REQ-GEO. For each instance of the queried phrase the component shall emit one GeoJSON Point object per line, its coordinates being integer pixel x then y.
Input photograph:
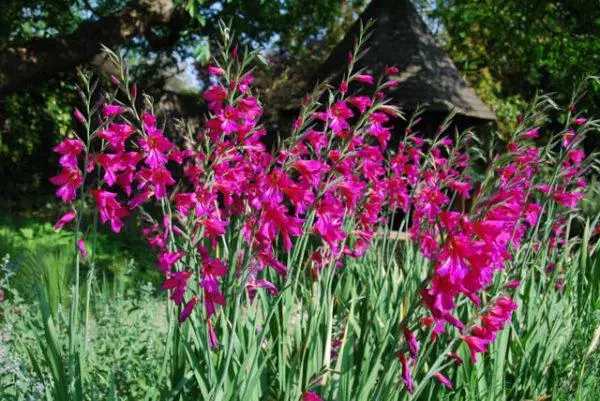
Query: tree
{"type": "Point", "coordinates": [42, 43]}
{"type": "Point", "coordinates": [510, 49]}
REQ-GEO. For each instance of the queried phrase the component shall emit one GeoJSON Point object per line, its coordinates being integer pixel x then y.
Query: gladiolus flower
{"type": "Point", "coordinates": [68, 181]}
{"type": "Point", "coordinates": [408, 382]}
{"type": "Point", "coordinates": [112, 110]}
{"type": "Point", "coordinates": [444, 380]}
{"type": "Point", "coordinates": [214, 70]}
{"type": "Point", "coordinates": [362, 103]}
{"type": "Point", "coordinates": [368, 79]}
{"type": "Point", "coordinates": [65, 219]}
{"type": "Point", "coordinates": [69, 149]}
{"type": "Point", "coordinates": [531, 134]}
{"type": "Point", "coordinates": [110, 209]}
{"type": "Point", "coordinates": [82, 250]}
{"type": "Point", "coordinates": [311, 396]}
{"type": "Point", "coordinates": [156, 146]}
{"type": "Point", "coordinates": [78, 115]}
{"type": "Point", "coordinates": [187, 310]}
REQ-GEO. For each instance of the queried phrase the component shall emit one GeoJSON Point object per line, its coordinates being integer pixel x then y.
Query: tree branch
{"type": "Point", "coordinates": [43, 58]}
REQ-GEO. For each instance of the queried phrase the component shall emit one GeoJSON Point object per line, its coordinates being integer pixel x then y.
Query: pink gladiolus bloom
{"type": "Point", "coordinates": [337, 116]}
{"type": "Point", "coordinates": [116, 135]}
{"type": "Point", "coordinates": [311, 396]}
{"type": "Point", "coordinates": [343, 87]}
{"type": "Point", "coordinates": [532, 133]}
{"type": "Point", "coordinates": [178, 282]}
{"type": "Point", "coordinates": [365, 78]}
{"type": "Point", "coordinates": [111, 163]}
{"type": "Point", "coordinates": [267, 285]}
{"type": "Point", "coordinates": [444, 380]}
{"type": "Point", "coordinates": [212, 337]}
{"type": "Point", "coordinates": [408, 382]}
{"type": "Point", "coordinates": [362, 103]}
{"type": "Point", "coordinates": [212, 295]}
{"type": "Point", "coordinates": [566, 199]}
{"type": "Point", "coordinates": [513, 284]}
{"type": "Point", "coordinates": [378, 130]}
{"type": "Point", "coordinates": [82, 250]}
{"type": "Point", "coordinates": [160, 177]}
{"type": "Point", "coordinates": [111, 110]}
{"type": "Point", "coordinates": [245, 83]}
{"type": "Point", "coordinates": [228, 118]}
{"type": "Point", "coordinates": [391, 70]}
{"type": "Point", "coordinates": [77, 114]}
{"type": "Point", "coordinates": [156, 146]}
{"type": "Point", "coordinates": [579, 121]}
{"type": "Point", "coordinates": [215, 97]}
{"type": "Point", "coordinates": [214, 226]}
{"type": "Point", "coordinates": [110, 209]}
{"type": "Point", "coordinates": [276, 217]}
{"type": "Point", "coordinates": [69, 149]}
{"type": "Point", "coordinates": [187, 310]}
{"type": "Point", "coordinates": [568, 138]}
{"type": "Point", "coordinates": [214, 267]}
{"type": "Point", "coordinates": [476, 345]}
{"type": "Point", "coordinates": [317, 139]}
{"type": "Point", "coordinates": [456, 358]}
{"type": "Point", "coordinates": [65, 219]}
{"type": "Point", "coordinates": [214, 70]}
{"type": "Point", "coordinates": [311, 170]}
{"type": "Point", "coordinates": [412, 343]}
{"type": "Point", "coordinates": [68, 181]}
{"type": "Point", "coordinates": [166, 260]}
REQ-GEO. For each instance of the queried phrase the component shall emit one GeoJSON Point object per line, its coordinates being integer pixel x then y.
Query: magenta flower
{"type": "Point", "coordinates": [337, 116]}
{"type": "Point", "coordinates": [214, 70]}
{"type": "Point", "coordinates": [215, 96]}
{"type": "Point", "coordinates": [365, 78]}
{"type": "Point", "coordinates": [311, 170]}
{"type": "Point", "coordinates": [212, 337]}
{"type": "Point", "coordinates": [531, 134]}
{"type": "Point", "coordinates": [412, 343]}
{"type": "Point", "coordinates": [166, 260]}
{"type": "Point", "coordinates": [69, 149]}
{"type": "Point", "coordinates": [228, 118]}
{"type": "Point", "coordinates": [178, 282]}
{"type": "Point", "coordinates": [110, 209]}
{"type": "Point", "coordinates": [567, 199]}
{"type": "Point", "coordinates": [68, 181]}
{"type": "Point", "coordinates": [444, 380]}
{"type": "Point", "coordinates": [78, 115]}
{"type": "Point", "coordinates": [116, 135]}
{"type": "Point", "coordinates": [408, 382]}
{"type": "Point", "coordinates": [362, 103]}
{"type": "Point", "coordinates": [82, 250]}
{"type": "Point", "coordinates": [156, 145]}
{"type": "Point", "coordinates": [187, 310]}
{"type": "Point", "coordinates": [65, 219]}
{"type": "Point", "coordinates": [160, 178]}
{"type": "Point", "coordinates": [112, 110]}
{"type": "Point", "coordinates": [311, 396]}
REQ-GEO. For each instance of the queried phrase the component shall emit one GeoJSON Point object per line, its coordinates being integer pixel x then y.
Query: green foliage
{"type": "Point", "coordinates": [38, 251]}
{"type": "Point", "coordinates": [508, 50]}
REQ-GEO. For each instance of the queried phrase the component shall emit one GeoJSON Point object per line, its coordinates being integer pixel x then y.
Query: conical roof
{"type": "Point", "coordinates": [427, 75]}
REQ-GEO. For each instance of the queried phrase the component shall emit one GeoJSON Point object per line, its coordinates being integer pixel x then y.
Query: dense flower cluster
{"type": "Point", "coordinates": [336, 178]}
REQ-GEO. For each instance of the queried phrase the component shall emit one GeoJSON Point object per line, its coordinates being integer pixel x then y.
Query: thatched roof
{"type": "Point", "coordinates": [427, 75]}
